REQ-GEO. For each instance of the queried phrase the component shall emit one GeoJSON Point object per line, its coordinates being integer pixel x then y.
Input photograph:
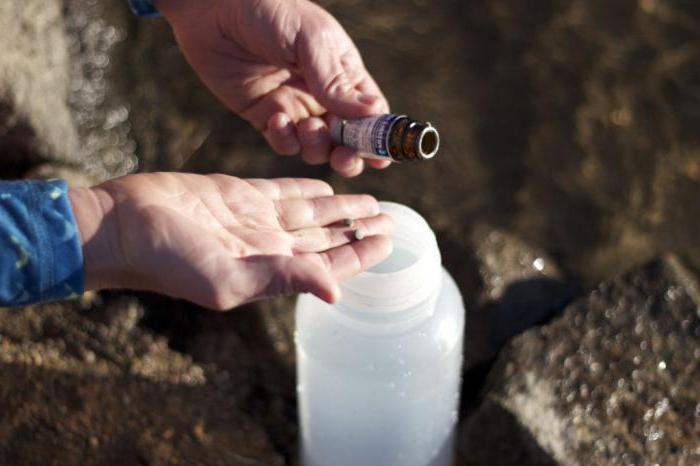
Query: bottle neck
{"type": "Point", "coordinates": [405, 286]}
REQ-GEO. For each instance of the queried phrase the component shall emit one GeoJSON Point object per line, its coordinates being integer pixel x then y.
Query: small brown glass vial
{"type": "Point", "coordinates": [387, 137]}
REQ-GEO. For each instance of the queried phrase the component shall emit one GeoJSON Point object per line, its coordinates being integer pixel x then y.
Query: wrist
{"type": "Point", "coordinates": [103, 264]}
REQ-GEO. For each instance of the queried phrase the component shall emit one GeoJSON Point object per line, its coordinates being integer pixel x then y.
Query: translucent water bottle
{"type": "Point", "coordinates": [379, 373]}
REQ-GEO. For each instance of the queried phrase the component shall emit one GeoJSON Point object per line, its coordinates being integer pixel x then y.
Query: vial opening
{"type": "Point", "coordinates": [429, 143]}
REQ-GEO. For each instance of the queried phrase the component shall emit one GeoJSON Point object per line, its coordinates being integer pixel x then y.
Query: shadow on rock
{"type": "Point", "coordinates": [501, 441]}
{"type": "Point", "coordinates": [522, 286]}
{"type": "Point", "coordinates": [526, 303]}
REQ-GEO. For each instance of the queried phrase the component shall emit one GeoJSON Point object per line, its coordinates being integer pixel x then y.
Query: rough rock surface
{"type": "Point", "coordinates": [83, 384]}
{"type": "Point", "coordinates": [614, 380]}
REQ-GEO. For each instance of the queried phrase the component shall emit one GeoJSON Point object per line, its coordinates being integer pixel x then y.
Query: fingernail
{"type": "Point", "coordinates": [359, 234]}
{"type": "Point", "coordinates": [367, 99]}
{"type": "Point", "coordinates": [348, 222]}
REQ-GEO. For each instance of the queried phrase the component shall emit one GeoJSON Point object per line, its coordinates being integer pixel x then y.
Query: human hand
{"type": "Point", "coordinates": [285, 66]}
{"type": "Point", "coordinates": [221, 241]}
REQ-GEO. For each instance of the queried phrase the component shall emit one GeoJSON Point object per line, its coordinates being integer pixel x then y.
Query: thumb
{"type": "Point", "coordinates": [333, 69]}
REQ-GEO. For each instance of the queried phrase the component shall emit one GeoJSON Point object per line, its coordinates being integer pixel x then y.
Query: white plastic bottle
{"type": "Point", "coordinates": [379, 373]}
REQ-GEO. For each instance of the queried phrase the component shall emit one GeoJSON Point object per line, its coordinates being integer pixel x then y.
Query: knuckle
{"type": "Point", "coordinates": [314, 207]}
{"type": "Point", "coordinates": [338, 84]}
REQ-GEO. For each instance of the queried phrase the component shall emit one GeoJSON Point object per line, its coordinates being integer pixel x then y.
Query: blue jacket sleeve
{"type": "Point", "coordinates": [144, 7]}
{"type": "Point", "coordinates": [41, 257]}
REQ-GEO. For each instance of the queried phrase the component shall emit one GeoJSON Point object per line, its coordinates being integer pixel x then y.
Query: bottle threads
{"type": "Point", "coordinates": [387, 137]}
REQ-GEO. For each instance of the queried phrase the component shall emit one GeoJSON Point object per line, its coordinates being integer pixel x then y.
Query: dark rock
{"type": "Point", "coordinates": [614, 380]}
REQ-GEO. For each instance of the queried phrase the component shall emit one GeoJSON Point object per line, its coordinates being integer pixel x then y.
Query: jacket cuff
{"type": "Point", "coordinates": [43, 256]}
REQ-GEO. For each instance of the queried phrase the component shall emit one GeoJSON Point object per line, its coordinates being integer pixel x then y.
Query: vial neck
{"type": "Point", "coordinates": [386, 292]}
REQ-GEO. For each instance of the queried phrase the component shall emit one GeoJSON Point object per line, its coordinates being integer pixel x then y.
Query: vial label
{"type": "Point", "coordinates": [369, 134]}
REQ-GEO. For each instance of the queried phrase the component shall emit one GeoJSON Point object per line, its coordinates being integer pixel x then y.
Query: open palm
{"type": "Point", "coordinates": [221, 241]}
{"type": "Point", "coordinates": [281, 65]}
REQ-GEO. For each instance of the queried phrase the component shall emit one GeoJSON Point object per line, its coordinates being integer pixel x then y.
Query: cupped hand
{"type": "Point", "coordinates": [221, 241]}
{"type": "Point", "coordinates": [285, 66]}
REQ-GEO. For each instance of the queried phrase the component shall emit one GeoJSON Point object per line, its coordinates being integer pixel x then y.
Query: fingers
{"type": "Point", "coordinates": [353, 258]}
{"type": "Point", "coordinates": [346, 161]}
{"type": "Point", "coordinates": [291, 99]}
{"type": "Point", "coordinates": [378, 164]}
{"type": "Point", "coordinates": [368, 86]}
{"type": "Point", "coordinates": [281, 135]}
{"type": "Point", "coordinates": [292, 188]}
{"type": "Point", "coordinates": [335, 81]}
{"type": "Point", "coordinates": [315, 140]}
{"type": "Point", "coordinates": [320, 239]}
{"type": "Point", "coordinates": [316, 148]}
{"type": "Point", "coordinates": [295, 214]}
{"type": "Point", "coordinates": [319, 273]}
{"type": "Point", "coordinates": [306, 134]}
